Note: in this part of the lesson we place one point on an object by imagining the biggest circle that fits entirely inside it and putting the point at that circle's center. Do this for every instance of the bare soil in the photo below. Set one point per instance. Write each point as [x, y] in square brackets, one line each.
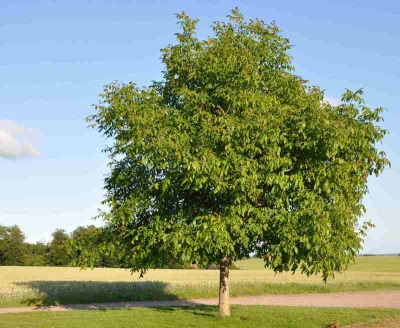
[387, 323]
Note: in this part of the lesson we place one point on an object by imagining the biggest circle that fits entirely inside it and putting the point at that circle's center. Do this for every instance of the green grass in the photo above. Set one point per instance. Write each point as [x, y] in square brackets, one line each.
[363, 264]
[255, 316]
[21, 286]
[376, 264]
[70, 292]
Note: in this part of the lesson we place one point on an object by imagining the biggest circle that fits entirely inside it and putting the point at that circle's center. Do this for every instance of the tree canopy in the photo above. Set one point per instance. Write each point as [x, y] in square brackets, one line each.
[233, 154]
[58, 249]
[63, 250]
[13, 249]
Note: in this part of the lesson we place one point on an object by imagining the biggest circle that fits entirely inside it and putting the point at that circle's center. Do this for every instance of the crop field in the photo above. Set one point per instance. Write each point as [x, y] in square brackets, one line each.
[363, 264]
[21, 286]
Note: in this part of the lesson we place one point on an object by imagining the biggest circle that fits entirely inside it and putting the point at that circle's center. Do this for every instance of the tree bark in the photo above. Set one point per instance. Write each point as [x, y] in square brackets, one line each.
[224, 308]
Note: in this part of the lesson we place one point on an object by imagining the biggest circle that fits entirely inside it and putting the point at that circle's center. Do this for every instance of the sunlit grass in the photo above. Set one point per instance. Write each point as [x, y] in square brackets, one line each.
[45, 285]
[247, 317]
[363, 264]
[69, 292]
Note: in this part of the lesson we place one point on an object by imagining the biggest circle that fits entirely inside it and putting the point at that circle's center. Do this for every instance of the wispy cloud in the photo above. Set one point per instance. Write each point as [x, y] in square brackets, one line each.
[17, 141]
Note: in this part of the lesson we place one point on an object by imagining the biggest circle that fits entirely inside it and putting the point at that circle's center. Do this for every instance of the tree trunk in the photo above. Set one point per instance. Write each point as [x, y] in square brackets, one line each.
[224, 306]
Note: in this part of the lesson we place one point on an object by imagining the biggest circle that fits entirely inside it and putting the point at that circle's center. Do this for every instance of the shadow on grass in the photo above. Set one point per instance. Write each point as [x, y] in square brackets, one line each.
[84, 292]
[95, 295]
[195, 309]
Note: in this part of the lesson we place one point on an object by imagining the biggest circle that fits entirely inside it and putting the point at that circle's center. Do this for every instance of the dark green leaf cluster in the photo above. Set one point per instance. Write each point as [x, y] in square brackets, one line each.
[233, 154]
[13, 250]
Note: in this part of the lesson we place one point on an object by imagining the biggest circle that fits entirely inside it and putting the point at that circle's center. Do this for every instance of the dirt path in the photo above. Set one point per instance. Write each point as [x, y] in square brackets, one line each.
[387, 323]
[384, 299]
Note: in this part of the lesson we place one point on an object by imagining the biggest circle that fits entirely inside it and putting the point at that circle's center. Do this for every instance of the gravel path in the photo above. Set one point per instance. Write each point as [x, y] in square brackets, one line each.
[383, 299]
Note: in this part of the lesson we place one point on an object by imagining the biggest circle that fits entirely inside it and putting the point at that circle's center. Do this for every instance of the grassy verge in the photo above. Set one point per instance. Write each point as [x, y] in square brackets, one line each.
[70, 292]
[257, 316]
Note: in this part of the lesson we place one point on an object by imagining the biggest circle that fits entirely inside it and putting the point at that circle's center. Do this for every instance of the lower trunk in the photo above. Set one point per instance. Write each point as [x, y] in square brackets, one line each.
[224, 306]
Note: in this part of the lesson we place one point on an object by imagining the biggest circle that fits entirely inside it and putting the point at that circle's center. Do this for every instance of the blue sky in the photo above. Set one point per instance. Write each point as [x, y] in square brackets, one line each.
[55, 56]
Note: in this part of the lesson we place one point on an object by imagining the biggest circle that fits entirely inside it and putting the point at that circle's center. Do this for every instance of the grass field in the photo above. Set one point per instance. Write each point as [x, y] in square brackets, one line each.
[256, 316]
[363, 264]
[21, 286]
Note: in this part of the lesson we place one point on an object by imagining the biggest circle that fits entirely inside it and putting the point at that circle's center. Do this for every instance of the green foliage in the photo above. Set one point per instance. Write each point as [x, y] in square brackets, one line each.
[36, 254]
[58, 254]
[13, 250]
[85, 241]
[231, 154]
[63, 250]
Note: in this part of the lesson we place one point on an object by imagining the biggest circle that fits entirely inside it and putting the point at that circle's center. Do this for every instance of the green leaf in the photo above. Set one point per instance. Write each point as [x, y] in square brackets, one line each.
[232, 153]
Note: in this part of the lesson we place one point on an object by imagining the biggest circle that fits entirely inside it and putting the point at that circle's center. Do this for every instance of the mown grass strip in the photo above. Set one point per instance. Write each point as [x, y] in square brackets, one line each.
[247, 317]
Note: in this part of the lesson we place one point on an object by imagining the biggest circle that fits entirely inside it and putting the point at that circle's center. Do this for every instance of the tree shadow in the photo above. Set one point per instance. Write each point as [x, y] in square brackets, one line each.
[195, 309]
[84, 292]
[99, 295]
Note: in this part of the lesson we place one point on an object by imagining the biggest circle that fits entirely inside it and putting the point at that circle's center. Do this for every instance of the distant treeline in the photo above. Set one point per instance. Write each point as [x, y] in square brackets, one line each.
[14, 250]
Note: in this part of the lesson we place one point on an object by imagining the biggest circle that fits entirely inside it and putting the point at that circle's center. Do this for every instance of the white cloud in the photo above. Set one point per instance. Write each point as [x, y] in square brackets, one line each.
[16, 140]
[332, 101]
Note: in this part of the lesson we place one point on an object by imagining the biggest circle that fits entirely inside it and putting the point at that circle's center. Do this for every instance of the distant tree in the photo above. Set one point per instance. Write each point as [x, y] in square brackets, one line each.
[13, 250]
[233, 154]
[36, 254]
[3, 235]
[58, 254]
